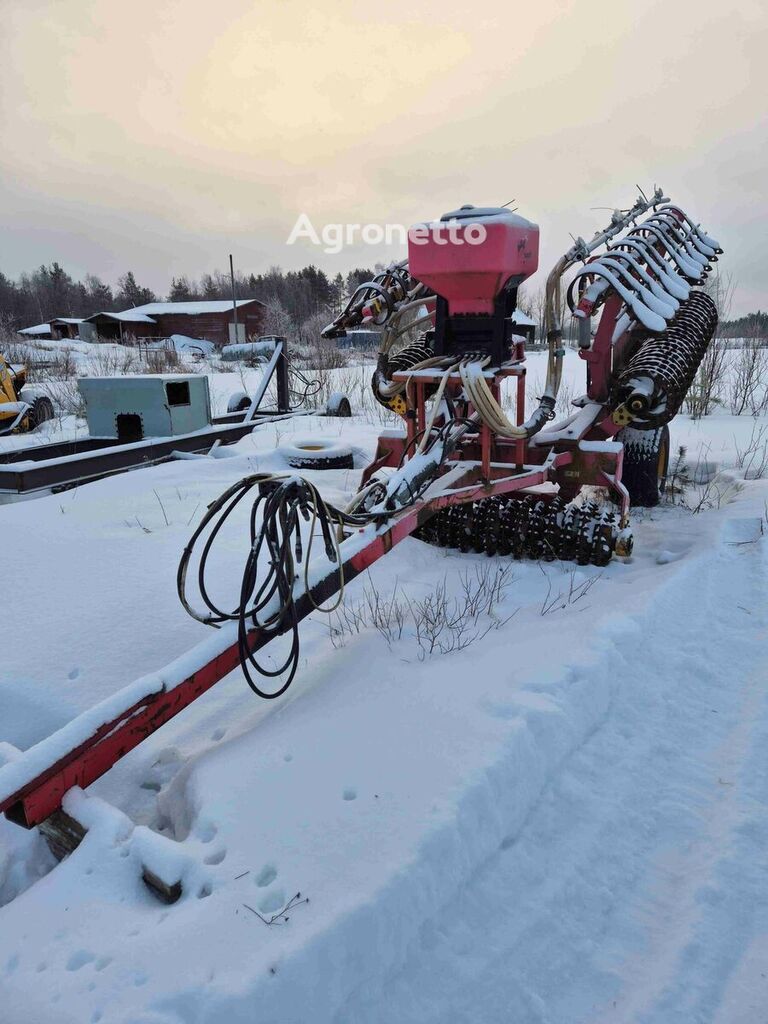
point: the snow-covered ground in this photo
(563, 822)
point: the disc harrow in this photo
(531, 527)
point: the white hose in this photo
(436, 403)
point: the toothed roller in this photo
(529, 527)
(652, 385)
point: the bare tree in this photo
(709, 383)
(720, 288)
(747, 386)
(277, 320)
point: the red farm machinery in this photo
(467, 468)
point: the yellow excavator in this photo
(22, 406)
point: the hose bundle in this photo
(266, 600)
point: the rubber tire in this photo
(338, 405)
(42, 410)
(646, 463)
(317, 453)
(238, 402)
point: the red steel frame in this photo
(483, 464)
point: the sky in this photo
(161, 136)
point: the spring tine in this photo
(673, 282)
(688, 233)
(689, 269)
(655, 288)
(684, 238)
(664, 309)
(650, 320)
(694, 227)
(676, 237)
(679, 238)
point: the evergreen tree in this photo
(130, 294)
(181, 290)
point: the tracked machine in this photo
(467, 469)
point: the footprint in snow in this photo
(79, 959)
(665, 557)
(73, 674)
(350, 794)
(272, 902)
(266, 876)
(207, 833)
(218, 734)
(215, 858)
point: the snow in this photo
(614, 447)
(564, 822)
(129, 316)
(37, 329)
(182, 343)
(246, 349)
(189, 308)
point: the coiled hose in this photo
(266, 600)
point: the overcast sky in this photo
(159, 136)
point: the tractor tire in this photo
(646, 463)
(338, 405)
(317, 453)
(238, 402)
(41, 411)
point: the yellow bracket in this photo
(622, 416)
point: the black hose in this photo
(269, 575)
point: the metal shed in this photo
(151, 405)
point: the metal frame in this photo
(71, 463)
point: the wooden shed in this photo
(212, 320)
(65, 327)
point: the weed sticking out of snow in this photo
(438, 622)
(280, 916)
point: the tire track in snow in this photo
(635, 886)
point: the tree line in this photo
(49, 291)
(297, 300)
(754, 325)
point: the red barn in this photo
(212, 320)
